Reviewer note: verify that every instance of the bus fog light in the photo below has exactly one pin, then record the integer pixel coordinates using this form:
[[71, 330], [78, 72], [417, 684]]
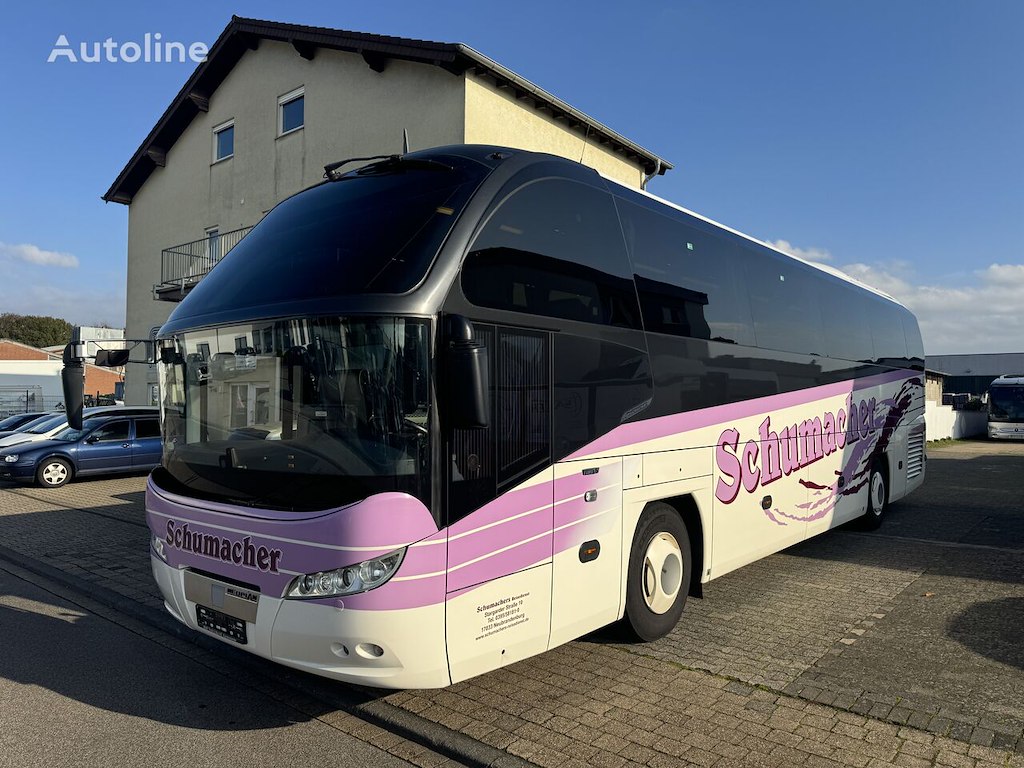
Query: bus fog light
[[339, 649], [349, 580], [369, 650]]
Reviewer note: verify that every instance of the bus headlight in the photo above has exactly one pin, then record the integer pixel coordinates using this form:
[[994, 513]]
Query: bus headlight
[[350, 580]]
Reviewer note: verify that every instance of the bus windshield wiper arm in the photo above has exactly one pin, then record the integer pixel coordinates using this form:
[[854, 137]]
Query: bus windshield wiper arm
[[389, 161]]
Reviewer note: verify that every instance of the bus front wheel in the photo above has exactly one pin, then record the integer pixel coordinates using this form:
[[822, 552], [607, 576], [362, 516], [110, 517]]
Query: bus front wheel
[[659, 573]]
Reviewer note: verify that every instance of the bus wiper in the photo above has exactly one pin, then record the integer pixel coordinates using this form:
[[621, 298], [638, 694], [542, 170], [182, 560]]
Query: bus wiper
[[389, 162]]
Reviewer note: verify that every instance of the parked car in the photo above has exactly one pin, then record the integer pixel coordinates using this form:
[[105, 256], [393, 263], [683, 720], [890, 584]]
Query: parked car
[[106, 444], [46, 427], [19, 421]]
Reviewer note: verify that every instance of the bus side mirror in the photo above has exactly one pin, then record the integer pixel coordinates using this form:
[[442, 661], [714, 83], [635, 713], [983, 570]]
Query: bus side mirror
[[466, 374], [112, 358]]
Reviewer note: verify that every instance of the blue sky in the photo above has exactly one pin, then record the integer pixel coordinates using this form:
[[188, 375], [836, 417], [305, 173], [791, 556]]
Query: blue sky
[[886, 138]]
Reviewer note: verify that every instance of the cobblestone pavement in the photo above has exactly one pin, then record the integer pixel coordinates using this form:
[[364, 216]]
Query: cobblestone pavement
[[900, 647]]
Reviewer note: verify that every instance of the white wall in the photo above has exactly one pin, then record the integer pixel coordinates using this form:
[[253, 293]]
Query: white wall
[[943, 422]]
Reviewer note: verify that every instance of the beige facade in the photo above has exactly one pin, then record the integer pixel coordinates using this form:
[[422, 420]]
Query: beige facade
[[350, 110]]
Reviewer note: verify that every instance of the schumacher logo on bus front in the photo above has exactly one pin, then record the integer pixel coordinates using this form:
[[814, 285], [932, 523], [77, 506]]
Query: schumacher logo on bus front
[[242, 552]]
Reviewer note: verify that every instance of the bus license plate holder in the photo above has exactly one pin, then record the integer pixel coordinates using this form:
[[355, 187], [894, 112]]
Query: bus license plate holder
[[222, 624]]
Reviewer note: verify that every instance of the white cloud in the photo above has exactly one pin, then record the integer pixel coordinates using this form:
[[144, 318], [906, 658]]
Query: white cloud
[[981, 313], [33, 254], [819, 255]]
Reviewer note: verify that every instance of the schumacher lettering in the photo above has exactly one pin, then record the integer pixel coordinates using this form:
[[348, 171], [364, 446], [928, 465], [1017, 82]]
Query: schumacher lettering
[[243, 552], [770, 455]]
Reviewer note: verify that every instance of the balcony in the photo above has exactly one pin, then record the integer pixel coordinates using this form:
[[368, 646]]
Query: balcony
[[182, 266]]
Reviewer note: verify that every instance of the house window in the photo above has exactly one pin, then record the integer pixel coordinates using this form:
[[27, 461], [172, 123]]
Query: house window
[[224, 141], [291, 111]]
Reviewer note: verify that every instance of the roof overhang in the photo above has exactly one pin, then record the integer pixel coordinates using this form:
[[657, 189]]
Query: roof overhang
[[242, 35]]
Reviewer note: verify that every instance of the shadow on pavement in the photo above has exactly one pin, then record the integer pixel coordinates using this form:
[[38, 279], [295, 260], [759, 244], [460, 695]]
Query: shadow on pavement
[[59, 647], [992, 629]]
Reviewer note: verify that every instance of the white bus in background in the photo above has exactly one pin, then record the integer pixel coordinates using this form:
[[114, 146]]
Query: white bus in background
[[1006, 408], [458, 407]]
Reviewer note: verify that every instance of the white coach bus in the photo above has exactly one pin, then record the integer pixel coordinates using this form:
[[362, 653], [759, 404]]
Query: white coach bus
[[457, 407], [1006, 408]]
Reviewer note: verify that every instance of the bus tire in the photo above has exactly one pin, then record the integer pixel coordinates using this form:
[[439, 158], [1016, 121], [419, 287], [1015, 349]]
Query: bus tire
[[53, 472], [658, 579], [878, 498]]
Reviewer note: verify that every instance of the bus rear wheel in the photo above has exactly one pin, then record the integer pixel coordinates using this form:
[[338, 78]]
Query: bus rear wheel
[[878, 498], [659, 573]]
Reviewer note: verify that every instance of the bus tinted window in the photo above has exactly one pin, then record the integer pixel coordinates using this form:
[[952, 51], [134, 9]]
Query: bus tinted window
[[554, 249], [784, 303], [915, 346], [687, 277], [844, 316], [372, 232], [887, 336]]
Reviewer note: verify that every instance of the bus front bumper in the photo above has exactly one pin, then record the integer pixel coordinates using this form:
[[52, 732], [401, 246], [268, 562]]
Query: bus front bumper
[[1006, 431], [384, 649]]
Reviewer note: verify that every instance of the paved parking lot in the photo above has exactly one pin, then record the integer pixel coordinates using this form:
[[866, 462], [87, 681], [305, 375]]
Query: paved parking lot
[[900, 647]]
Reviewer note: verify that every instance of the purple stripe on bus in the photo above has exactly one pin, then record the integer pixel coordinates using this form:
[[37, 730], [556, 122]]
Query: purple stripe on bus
[[519, 499], [396, 595], [667, 426], [490, 539], [515, 559], [585, 530], [609, 473], [357, 525]]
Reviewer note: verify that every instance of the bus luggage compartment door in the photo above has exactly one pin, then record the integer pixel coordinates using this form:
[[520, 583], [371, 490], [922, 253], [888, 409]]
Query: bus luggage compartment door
[[586, 570]]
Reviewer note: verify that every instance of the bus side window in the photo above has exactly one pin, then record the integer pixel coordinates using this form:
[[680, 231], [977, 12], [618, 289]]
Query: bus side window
[[554, 248], [887, 333], [689, 279], [784, 304]]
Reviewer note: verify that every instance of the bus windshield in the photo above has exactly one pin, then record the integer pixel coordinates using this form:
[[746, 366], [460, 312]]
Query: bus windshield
[[1006, 403], [299, 414]]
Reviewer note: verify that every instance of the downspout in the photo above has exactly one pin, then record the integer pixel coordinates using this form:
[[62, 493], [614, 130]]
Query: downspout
[[652, 174]]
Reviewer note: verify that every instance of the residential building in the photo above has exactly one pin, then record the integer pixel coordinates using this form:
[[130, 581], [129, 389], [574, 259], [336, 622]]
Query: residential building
[[273, 103]]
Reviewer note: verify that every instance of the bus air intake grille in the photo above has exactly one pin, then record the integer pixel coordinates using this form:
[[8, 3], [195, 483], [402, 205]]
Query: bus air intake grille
[[915, 455]]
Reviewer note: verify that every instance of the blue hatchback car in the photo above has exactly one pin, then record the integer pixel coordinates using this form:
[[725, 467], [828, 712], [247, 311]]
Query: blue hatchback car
[[106, 444]]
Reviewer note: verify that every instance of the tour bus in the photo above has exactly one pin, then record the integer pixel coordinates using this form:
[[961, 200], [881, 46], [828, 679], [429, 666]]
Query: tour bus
[[457, 407], [1006, 408]]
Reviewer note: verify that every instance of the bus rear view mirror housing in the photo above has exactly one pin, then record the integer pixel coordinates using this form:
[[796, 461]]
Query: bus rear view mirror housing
[[112, 358], [468, 384]]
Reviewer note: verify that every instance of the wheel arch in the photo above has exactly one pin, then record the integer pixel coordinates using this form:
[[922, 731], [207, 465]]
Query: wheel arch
[[63, 457]]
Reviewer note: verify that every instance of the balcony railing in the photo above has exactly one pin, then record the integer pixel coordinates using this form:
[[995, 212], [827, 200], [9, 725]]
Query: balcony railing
[[182, 266]]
